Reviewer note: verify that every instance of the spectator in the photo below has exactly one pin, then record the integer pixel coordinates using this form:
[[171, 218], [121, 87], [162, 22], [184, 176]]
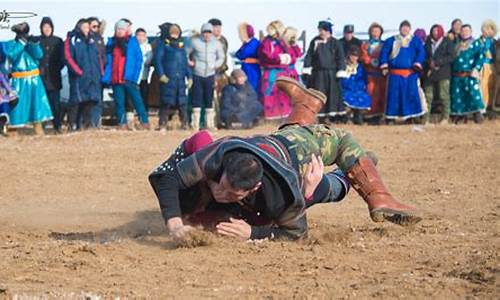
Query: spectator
[[97, 28], [147, 57], [7, 96], [370, 53], [440, 53], [239, 103], [221, 78], [123, 72], [325, 62], [275, 61], [25, 53], [349, 39], [208, 56], [248, 55], [85, 70], [454, 32], [50, 68], [290, 40], [171, 65], [487, 77], [402, 56], [496, 101], [465, 92], [354, 86]]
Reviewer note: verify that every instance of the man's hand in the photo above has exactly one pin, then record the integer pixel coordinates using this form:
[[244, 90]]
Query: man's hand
[[236, 228], [313, 176], [176, 228]]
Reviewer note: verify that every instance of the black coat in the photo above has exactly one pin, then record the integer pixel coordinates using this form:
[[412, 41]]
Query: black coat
[[348, 44], [52, 62], [442, 57]]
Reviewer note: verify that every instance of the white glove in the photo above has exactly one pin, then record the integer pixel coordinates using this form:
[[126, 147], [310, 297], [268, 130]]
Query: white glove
[[307, 71], [285, 59], [342, 74]]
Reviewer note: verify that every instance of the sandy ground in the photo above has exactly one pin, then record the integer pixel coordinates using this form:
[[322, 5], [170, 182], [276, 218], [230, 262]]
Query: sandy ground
[[79, 219]]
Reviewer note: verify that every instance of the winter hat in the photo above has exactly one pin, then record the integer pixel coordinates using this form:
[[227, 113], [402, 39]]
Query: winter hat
[[490, 24], [46, 20], [420, 33], [325, 25], [375, 25], [349, 28], [21, 28], [245, 31], [121, 24], [290, 35], [440, 32], [275, 28], [207, 27], [405, 23]]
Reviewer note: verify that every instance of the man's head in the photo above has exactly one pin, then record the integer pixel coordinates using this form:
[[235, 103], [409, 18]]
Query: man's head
[[405, 28], [325, 29], [141, 35], [348, 32], [216, 27], [206, 31], [238, 77], [466, 32], [242, 176]]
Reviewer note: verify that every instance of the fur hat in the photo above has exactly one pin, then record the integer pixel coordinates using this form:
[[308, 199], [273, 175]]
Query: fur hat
[[290, 35], [121, 24], [245, 31], [490, 24], [375, 25], [405, 23], [275, 28]]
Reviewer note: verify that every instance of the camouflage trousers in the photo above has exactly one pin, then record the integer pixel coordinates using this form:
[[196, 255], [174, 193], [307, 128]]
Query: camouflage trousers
[[333, 145]]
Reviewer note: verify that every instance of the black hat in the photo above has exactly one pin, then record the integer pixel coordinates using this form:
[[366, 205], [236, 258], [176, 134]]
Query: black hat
[[405, 23], [353, 50], [325, 25], [349, 28], [215, 22]]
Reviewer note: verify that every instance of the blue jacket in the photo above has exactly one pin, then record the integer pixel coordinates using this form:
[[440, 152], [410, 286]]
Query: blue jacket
[[252, 70], [170, 59], [85, 67], [133, 61]]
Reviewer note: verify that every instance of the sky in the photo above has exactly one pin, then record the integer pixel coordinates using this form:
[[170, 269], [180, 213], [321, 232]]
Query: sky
[[303, 15]]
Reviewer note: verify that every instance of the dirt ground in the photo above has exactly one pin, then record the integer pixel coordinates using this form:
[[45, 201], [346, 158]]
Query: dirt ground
[[78, 219]]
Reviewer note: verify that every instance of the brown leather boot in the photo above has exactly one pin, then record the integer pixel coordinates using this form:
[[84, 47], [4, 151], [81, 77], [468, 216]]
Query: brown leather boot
[[306, 103], [37, 127], [365, 179]]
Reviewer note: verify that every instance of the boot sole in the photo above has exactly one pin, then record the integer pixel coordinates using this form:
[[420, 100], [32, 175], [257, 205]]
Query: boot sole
[[398, 217], [313, 92]]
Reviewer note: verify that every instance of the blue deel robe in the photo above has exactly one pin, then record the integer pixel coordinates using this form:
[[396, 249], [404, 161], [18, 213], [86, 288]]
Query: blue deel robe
[[354, 90], [403, 100], [33, 104], [252, 70]]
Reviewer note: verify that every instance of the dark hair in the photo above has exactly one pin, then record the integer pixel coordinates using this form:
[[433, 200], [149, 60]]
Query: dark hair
[[467, 25], [215, 22], [455, 21], [405, 23], [243, 170], [92, 19], [126, 20], [140, 29]]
